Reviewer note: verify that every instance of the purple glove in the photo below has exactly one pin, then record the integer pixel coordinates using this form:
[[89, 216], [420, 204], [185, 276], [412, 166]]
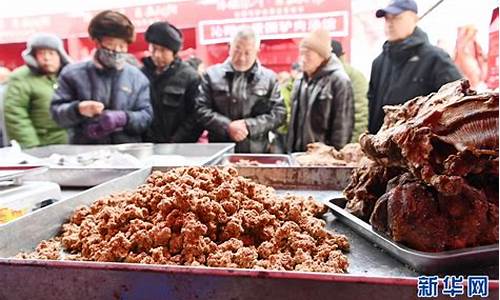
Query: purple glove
[[112, 119]]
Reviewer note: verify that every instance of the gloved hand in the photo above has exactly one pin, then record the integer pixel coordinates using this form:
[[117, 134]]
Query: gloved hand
[[110, 121]]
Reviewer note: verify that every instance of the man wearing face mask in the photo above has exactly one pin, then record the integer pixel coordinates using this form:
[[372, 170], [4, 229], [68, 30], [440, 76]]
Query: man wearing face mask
[[322, 100], [239, 99], [29, 93], [105, 100], [409, 66], [174, 86]]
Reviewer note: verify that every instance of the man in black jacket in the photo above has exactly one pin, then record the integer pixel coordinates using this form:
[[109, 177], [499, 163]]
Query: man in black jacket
[[409, 66], [174, 86], [322, 100], [239, 100]]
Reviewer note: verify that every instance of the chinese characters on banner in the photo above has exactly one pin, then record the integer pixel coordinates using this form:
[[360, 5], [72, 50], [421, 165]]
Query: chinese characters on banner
[[276, 27]]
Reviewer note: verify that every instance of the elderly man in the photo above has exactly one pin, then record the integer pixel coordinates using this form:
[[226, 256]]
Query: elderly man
[[174, 86], [239, 100], [322, 100], [29, 93], [409, 66], [105, 100]]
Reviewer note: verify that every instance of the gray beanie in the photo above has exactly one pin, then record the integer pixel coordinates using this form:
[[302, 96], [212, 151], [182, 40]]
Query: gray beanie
[[47, 41]]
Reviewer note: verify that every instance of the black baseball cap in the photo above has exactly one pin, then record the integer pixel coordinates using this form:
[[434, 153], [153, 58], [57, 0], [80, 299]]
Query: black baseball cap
[[396, 7]]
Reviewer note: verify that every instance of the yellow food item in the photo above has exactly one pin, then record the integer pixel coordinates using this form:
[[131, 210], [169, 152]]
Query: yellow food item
[[8, 214]]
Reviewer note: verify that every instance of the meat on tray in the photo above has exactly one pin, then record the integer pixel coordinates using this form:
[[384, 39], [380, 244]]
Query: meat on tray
[[201, 217], [319, 154], [433, 182]]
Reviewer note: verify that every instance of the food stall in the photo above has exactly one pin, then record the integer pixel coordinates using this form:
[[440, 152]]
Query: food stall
[[267, 226]]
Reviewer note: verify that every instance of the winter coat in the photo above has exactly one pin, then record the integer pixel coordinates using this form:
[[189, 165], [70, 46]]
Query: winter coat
[[263, 110], [327, 113], [27, 109], [173, 94], [404, 71], [126, 90]]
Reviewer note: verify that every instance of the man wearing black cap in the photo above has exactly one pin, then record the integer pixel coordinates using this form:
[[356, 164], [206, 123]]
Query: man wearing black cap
[[409, 66], [174, 87]]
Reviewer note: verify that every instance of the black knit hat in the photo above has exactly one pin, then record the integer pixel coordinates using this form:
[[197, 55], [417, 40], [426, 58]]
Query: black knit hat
[[337, 48], [164, 34]]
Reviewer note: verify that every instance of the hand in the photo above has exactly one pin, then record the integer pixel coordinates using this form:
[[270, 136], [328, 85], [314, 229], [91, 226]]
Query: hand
[[90, 108], [237, 130], [110, 120]]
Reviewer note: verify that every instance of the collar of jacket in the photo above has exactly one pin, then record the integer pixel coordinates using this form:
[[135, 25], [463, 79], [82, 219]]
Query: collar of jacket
[[227, 67], [404, 49], [150, 67], [332, 64]]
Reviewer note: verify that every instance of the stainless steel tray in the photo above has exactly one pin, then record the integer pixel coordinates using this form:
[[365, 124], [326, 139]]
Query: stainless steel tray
[[277, 160], [372, 273], [425, 262], [17, 173], [162, 154], [316, 178]]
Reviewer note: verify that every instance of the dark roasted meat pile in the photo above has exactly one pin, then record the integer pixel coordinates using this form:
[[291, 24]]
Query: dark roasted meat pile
[[201, 217], [433, 182]]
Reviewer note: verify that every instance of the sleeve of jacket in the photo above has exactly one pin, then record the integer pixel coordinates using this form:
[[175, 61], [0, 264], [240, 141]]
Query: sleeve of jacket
[[64, 106], [342, 119], [271, 120], [140, 115], [212, 120], [190, 130], [444, 70], [360, 89], [16, 109]]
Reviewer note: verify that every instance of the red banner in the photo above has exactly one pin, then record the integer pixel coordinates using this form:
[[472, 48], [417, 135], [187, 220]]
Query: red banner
[[185, 14]]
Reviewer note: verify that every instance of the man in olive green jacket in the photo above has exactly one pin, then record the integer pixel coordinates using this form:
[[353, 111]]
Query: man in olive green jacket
[[29, 94], [360, 89]]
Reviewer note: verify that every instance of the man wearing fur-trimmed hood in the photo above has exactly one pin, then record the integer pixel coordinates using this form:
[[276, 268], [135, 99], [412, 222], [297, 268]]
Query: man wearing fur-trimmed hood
[[29, 93]]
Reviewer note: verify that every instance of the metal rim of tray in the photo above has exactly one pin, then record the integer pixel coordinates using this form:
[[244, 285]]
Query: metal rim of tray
[[363, 228], [216, 271]]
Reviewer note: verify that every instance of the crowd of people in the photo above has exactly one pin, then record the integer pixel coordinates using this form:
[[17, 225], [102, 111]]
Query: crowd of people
[[111, 99]]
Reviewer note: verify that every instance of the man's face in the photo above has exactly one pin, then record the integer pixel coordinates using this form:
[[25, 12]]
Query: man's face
[[310, 60], [48, 60], [112, 44], [161, 56], [243, 54], [399, 27]]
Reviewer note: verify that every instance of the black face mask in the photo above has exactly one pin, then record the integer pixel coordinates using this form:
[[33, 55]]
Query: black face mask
[[111, 59]]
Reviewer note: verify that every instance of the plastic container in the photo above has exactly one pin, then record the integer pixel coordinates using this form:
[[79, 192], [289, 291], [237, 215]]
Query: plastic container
[[19, 200]]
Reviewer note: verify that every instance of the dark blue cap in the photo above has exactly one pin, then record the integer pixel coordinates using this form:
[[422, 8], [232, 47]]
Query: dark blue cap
[[396, 7]]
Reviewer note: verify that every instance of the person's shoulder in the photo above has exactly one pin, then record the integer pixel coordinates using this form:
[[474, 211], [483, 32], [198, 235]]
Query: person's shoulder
[[134, 73], [21, 72], [74, 68], [268, 73], [435, 52], [216, 71], [187, 69]]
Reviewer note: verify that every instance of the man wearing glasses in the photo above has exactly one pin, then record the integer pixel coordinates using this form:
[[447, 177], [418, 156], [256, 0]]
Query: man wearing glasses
[[105, 100]]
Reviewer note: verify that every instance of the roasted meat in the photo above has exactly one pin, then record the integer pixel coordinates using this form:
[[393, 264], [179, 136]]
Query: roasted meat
[[319, 154], [433, 183]]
